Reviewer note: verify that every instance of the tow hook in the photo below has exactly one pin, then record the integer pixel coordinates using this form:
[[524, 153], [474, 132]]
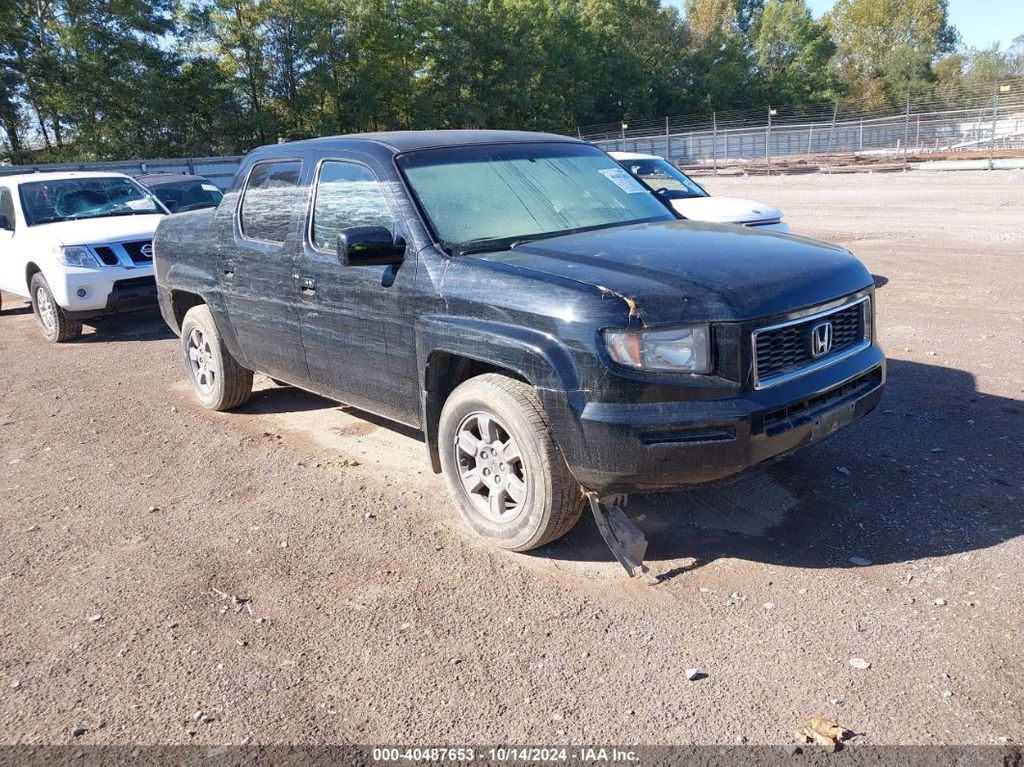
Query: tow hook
[[626, 540]]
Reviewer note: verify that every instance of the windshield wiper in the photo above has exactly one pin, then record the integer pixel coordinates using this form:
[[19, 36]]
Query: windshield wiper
[[485, 244], [125, 213], [481, 245]]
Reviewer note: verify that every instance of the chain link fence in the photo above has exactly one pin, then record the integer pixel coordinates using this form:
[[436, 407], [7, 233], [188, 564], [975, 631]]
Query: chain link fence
[[980, 122]]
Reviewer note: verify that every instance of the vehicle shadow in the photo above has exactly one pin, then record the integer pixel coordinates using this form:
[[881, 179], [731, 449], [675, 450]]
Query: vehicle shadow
[[145, 325], [13, 305], [283, 398], [277, 399], [934, 470]]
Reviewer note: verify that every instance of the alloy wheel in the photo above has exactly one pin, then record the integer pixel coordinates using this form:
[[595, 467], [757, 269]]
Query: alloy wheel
[[491, 467]]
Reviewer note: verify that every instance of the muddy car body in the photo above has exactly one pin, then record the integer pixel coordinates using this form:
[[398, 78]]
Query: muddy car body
[[638, 354]]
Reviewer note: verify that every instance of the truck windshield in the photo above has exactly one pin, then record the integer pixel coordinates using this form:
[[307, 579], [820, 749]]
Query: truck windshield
[[187, 194], [72, 199], [661, 174], [480, 198]]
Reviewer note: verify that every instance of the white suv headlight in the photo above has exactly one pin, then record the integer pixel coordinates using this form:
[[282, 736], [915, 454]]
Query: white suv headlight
[[681, 349], [75, 255]]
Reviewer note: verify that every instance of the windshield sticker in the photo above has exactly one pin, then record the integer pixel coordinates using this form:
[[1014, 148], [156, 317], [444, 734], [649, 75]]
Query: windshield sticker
[[623, 180], [210, 188]]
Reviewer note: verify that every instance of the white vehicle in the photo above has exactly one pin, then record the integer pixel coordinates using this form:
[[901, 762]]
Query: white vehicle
[[692, 201], [78, 246]]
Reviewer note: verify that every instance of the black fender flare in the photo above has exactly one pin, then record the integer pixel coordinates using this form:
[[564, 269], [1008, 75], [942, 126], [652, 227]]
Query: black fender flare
[[536, 357], [183, 277]]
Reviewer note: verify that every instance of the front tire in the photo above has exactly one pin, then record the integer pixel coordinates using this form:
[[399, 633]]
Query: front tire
[[503, 469], [218, 381], [54, 324]]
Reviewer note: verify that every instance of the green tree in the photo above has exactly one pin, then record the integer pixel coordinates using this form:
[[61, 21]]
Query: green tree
[[791, 54], [717, 56], [11, 112], [886, 48]]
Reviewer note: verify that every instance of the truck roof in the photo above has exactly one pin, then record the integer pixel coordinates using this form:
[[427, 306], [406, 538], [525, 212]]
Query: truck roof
[[404, 141], [21, 178]]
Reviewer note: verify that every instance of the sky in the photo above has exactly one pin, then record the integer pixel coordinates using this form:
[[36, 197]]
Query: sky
[[981, 22]]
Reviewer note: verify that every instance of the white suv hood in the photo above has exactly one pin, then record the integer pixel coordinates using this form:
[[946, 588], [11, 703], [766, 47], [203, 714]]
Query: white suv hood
[[97, 231], [726, 210]]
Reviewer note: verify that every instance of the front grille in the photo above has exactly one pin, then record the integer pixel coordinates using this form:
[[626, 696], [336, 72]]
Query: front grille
[[135, 251], [106, 255], [798, 413], [781, 350], [135, 282]]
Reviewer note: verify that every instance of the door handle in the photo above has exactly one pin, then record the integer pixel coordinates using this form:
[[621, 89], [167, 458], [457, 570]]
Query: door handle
[[307, 285], [229, 269]]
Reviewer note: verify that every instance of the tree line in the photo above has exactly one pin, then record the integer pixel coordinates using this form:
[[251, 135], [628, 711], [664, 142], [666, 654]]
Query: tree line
[[111, 79]]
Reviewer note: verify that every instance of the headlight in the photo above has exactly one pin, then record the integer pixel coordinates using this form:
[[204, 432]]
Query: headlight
[[75, 255], [682, 349]]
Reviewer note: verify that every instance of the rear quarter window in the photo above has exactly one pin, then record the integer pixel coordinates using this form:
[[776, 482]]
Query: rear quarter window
[[269, 199], [7, 207]]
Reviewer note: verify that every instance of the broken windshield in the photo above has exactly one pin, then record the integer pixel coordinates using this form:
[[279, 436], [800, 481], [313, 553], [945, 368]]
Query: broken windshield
[[72, 199]]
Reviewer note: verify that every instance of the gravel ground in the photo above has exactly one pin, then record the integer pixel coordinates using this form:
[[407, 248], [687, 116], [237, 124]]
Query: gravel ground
[[294, 573]]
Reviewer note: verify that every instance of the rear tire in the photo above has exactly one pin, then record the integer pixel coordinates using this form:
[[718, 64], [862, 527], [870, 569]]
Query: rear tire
[[54, 324], [218, 381], [504, 471]]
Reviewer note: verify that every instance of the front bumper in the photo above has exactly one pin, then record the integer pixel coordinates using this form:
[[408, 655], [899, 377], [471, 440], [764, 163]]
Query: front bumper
[[648, 447], [84, 293]]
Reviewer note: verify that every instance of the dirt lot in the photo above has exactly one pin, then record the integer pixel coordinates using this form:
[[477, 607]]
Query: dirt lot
[[131, 517]]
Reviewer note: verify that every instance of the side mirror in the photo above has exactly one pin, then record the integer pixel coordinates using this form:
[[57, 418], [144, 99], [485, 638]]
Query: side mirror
[[5, 223], [171, 205], [369, 246]]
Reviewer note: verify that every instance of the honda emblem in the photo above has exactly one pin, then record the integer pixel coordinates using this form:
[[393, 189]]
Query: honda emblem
[[821, 339]]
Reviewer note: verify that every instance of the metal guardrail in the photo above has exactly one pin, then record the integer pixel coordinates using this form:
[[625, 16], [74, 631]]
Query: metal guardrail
[[220, 170]]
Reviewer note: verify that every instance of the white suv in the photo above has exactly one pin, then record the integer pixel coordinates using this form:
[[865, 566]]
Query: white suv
[[78, 245], [692, 201]]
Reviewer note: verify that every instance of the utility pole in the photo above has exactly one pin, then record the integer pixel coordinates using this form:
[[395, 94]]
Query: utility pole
[[995, 113], [906, 132], [714, 138], [832, 135], [768, 141]]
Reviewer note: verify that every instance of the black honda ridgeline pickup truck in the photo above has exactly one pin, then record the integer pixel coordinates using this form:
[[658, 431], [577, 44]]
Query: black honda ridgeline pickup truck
[[553, 329]]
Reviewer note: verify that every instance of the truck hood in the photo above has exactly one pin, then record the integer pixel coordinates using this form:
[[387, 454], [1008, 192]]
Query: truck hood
[[98, 231], [726, 210], [680, 271]]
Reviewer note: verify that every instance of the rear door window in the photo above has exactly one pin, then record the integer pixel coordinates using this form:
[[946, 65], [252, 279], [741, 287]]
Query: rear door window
[[269, 199]]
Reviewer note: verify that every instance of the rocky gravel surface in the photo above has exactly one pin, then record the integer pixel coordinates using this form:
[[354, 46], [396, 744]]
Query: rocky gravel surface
[[294, 573]]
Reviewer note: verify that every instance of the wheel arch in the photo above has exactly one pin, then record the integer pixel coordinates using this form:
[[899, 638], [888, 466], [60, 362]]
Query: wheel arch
[[31, 270], [454, 350], [181, 302], [175, 303]]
